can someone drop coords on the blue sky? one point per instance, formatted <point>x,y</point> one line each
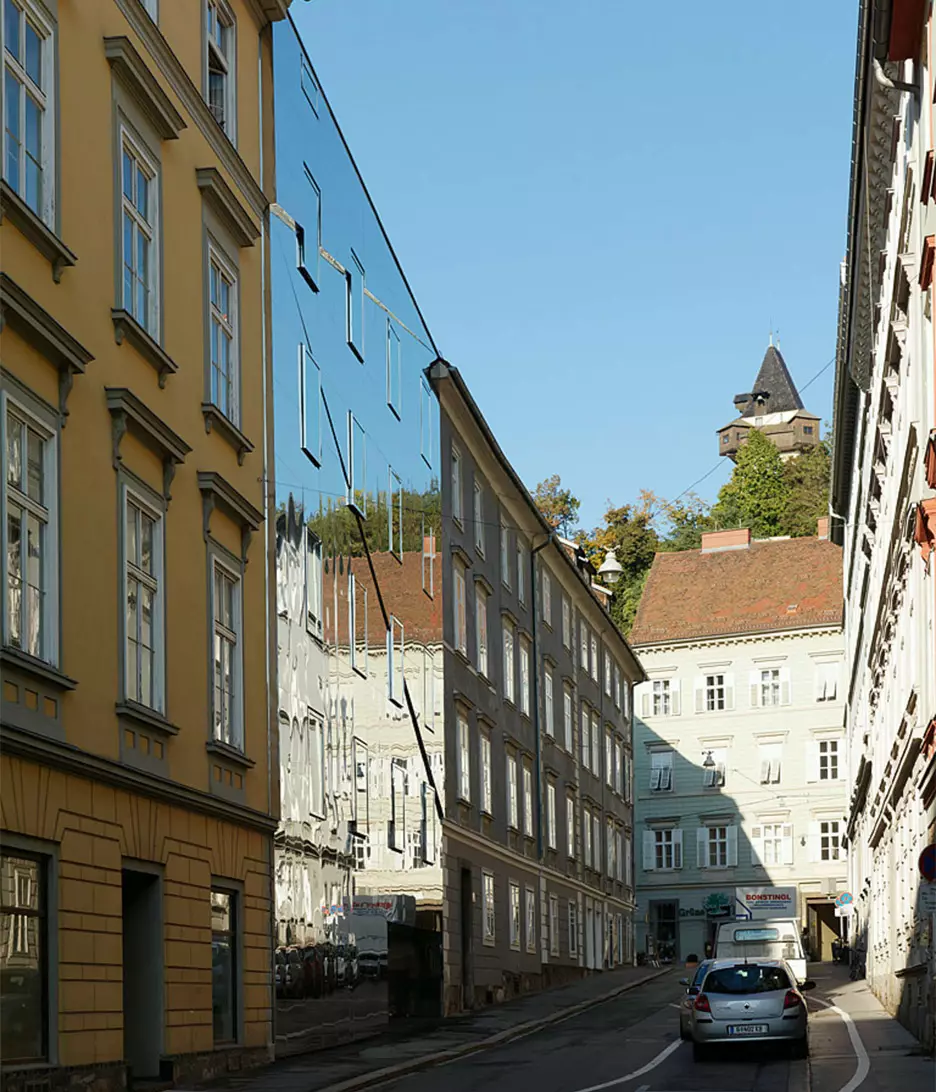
<point>603,206</point>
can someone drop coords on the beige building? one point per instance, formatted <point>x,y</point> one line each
<point>138,756</point>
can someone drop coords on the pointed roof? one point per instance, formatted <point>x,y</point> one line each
<point>775,380</point>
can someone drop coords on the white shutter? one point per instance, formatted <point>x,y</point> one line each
<point>820,682</point>
<point>649,851</point>
<point>757,845</point>
<point>702,848</point>
<point>787,833</point>
<point>729,691</point>
<point>732,846</point>
<point>812,760</point>
<point>700,694</point>
<point>754,679</point>
<point>677,849</point>
<point>645,701</point>
<point>814,844</point>
<point>676,699</point>
<point>765,771</point>
<point>784,686</point>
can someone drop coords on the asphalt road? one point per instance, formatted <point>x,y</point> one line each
<point>632,1044</point>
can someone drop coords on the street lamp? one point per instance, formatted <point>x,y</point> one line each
<point>709,763</point>
<point>611,568</point>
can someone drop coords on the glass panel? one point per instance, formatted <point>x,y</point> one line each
<point>14,451</point>
<point>11,93</point>
<point>218,695</point>
<point>34,586</point>
<point>33,162</point>
<point>133,534</point>
<point>22,959</point>
<point>133,592</point>
<point>14,577</point>
<point>142,193</point>
<point>222,967</point>
<point>12,17</point>
<point>146,543</point>
<point>142,271</point>
<point>127,175</point>
<point>146,646</point>
<point>33,55</point>
<point>34,450</point>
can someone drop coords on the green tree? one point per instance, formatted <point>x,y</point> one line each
<point>757,493</point>
<point>807,478</point>
<point>558,506</point>
<point>686,519</point>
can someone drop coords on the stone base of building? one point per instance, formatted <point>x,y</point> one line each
<point>515,985</point>
<point>189,1069</point>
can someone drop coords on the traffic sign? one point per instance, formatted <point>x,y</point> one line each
<point>845,899</point>
<point>845,911</point>
<point>928,862</point>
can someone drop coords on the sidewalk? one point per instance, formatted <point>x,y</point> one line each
<point>394,1053</point>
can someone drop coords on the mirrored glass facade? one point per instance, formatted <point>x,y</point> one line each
<point>358,597</point>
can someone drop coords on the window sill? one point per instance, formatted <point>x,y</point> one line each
<point>33,228</point>
<point>150,718</point>
<point>225,427</point>
<point>127,328</point>
<point>39,669</point>
<point>489,942</point>
<point>232,754</point>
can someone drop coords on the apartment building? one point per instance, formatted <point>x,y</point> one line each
<point>884,505</point>
<point>138,767</point>
<point>740,756</point>
<point>537,837</point>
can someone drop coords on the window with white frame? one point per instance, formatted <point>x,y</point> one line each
<point>553,925</point>
<point>481,630</point>
<point>464,759</point>
<point>220,75</point>
<point>827,675</point>
<point>513,807</point>
<point>396,660</point>
<point>223,356</point>
<point>714,765</point>
<point>30,533</point>
<point>573,927</point>
<point>227,652</point>
<point>504,551</point>
<point>608,674</point>
<point>609,758</point>
<point>457,512</point>
<point>521,571</point>
<point>619,853</point>
<point>596,744</point>
<point>313,583</point>
<point>662,698</point>
<point>143,586</point>
<point>610,848</point>
<point>618,767</point>
<point>486,792</point>
<point>310,406</point>
<point>828,759</point>
<point>479,517</point>
<point>549,724</point>
<point>552,832</point>
<point>461,621</point>
<point>525,654</point>
<point>489,921</point>
<point>355,295</point>
<point>510,684</point>
<point>714,694</point>
<point>596,836</point>
<point>593,661</point>
<point>586,738</point>
<point>530,919</point>
<point>528,800</point>
<point>770,756</point>
<point>567,713</point>
<point>139,235</point>
<point>566,622</point>
<point>770,687</point>
<point>587,836</point>
<point>28,112</point>
<point>661,771</point>
<point>583,642</point>
<point>662,849</point>
<point>394,370</point>
<point>547,598</point>
<point>718,846</point>
<point>514,889</point>
<point>772,843</point>
<point>617,686</point>
<point>570,825</point>
<point>830,840</point>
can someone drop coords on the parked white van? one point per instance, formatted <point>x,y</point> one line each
<point>772,938</point>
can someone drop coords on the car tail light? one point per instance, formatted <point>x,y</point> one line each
<point>792,1000</point>
<point>701,1004</point>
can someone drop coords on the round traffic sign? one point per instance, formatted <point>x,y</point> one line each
<point>845,899</point>
<point>928,862</point>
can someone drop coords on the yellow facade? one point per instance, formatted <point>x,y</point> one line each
<point>137,747</point>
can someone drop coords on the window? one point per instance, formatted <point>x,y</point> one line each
<point>313,581</point>
<point>426,413</point>
<point>464,759</point>
<point>394,371</point>
<point>714,694</point>
<point>596,835</point>
<point>457,513</point>
<point>807,430</point>
<point>222,312</point>
<point>395,515</point>
<point>619,854</point>
<point>596,744</point>
<point>490,917</point>
<point>481,614</point>
<point>548,710</point>
<point>608,673</point>
<point>662,849</point>
<point>530,919</point>
<point>513,808</point>
<point>583,643</point>
<point>524,676</point>
<point>547,598</point>
<point>830,840</point>
<point>357,466</point>
<point>661,771</point>
<point>527,800</point>
<point>586,738</point>
<point>573,927</point>
<point>618,767</point>
<point>770,687</point>
<point>828,759</point>
<point>479,517</point>
<point>139,243</point>
<point>310,406</point>
<point>355,285</point>
<point>309,86</point>
<point>551,822</point>
<point>772,844</point>
<point>396,652</point>
<point>617,686</point>
<point>713,768</point>
<point>554,925</point>
<point>226,611</point>
<point>826,682</point>
<point>221,80</point>
<point>593,665</point>
<point>716,840</point>
<point>509,669</point>
<point>514,915</point>
<point>28,132</point>
<point>521,572</point>
<point>461,622</point>
<point>143,579</point>
<point>224,969</point>
<point>30,534</point>
<point>770,754</point>
<point>566,622</point>
<point>609,759</point>
<point>587,836</point>
<point>610,848</point>
<point>504,552</point>
<point>567,716</point>
<point>486,794</point>
<point>662,698</point>
<point>24,962</point>
<point>308,265</point>
<point>570,825</point>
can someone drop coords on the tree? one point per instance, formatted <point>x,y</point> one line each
<point>558,506</point>
<point>757,493</point>
<point>808,478</point>
<point>687,518</point>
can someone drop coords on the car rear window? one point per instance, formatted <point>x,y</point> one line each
<point>747,978</point>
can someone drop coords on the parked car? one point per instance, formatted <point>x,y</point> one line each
<point>693,985</point>
<point>755,1001</point>
<point>289,973</point>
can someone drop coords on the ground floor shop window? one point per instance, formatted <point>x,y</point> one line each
<point>224,965</point>
<point>664,923</point>
<point>23,958</point>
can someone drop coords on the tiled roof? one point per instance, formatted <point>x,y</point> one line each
<point>774,379</point>
<point>772,585</point>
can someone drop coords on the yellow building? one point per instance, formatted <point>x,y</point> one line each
<point>138,764</point>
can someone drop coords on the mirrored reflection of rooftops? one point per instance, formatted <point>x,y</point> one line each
<point>773,406</point>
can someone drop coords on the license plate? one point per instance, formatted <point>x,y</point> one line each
<point>747,1029</point>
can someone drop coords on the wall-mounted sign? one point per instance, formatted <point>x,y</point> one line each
<point>928,863</point>
<point>766,902</point>
<point>718,904</point>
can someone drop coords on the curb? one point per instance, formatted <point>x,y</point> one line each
<point>427,1061</point>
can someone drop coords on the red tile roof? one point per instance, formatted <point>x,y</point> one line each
<point>771,585</point>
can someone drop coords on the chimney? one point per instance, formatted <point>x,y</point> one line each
<point>822,527</point>
<point>714,541</point>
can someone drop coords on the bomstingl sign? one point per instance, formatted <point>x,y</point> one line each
<point>766,902</point>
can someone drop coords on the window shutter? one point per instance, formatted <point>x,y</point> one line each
<point>700,695</point>
<point>820,682</point>
<point>676,695</point>
<point>645,703</point>
<point>765,771</point>
<point>814,845</point>
<point>812,760</point>
<point>732,847</point>
<point>757,847</point>
<point>677,849</point>
<point>649,851</point>
<point>701,848</point>
<point>729,691</point>
<point>754,679</point>
<point>784,686</point>
<point>787,833</point>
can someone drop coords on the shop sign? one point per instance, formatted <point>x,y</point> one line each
<point>718,904</point>
<point>766,902</point>
<point>691,912</point>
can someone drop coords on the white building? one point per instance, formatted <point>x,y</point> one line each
<point>884,505</point>
<point>739,753</point>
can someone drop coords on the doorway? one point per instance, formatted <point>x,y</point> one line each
<point>142,972</point>
<point>467,905</point>
<point>664,918</point>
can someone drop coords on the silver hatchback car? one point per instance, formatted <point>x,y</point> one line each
<point>757,1000</point>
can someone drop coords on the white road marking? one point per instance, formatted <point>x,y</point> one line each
<point>864,1063</point>
<point>673,1005</point>
<point>652,1064</point>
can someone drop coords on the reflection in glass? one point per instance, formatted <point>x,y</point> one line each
<point>23,967</point>
<point>223,966</point>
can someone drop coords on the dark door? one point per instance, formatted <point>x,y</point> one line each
<point>467,916</point>
<point>142,972</point>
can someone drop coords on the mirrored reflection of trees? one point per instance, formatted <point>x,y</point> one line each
<point>396,521</point>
